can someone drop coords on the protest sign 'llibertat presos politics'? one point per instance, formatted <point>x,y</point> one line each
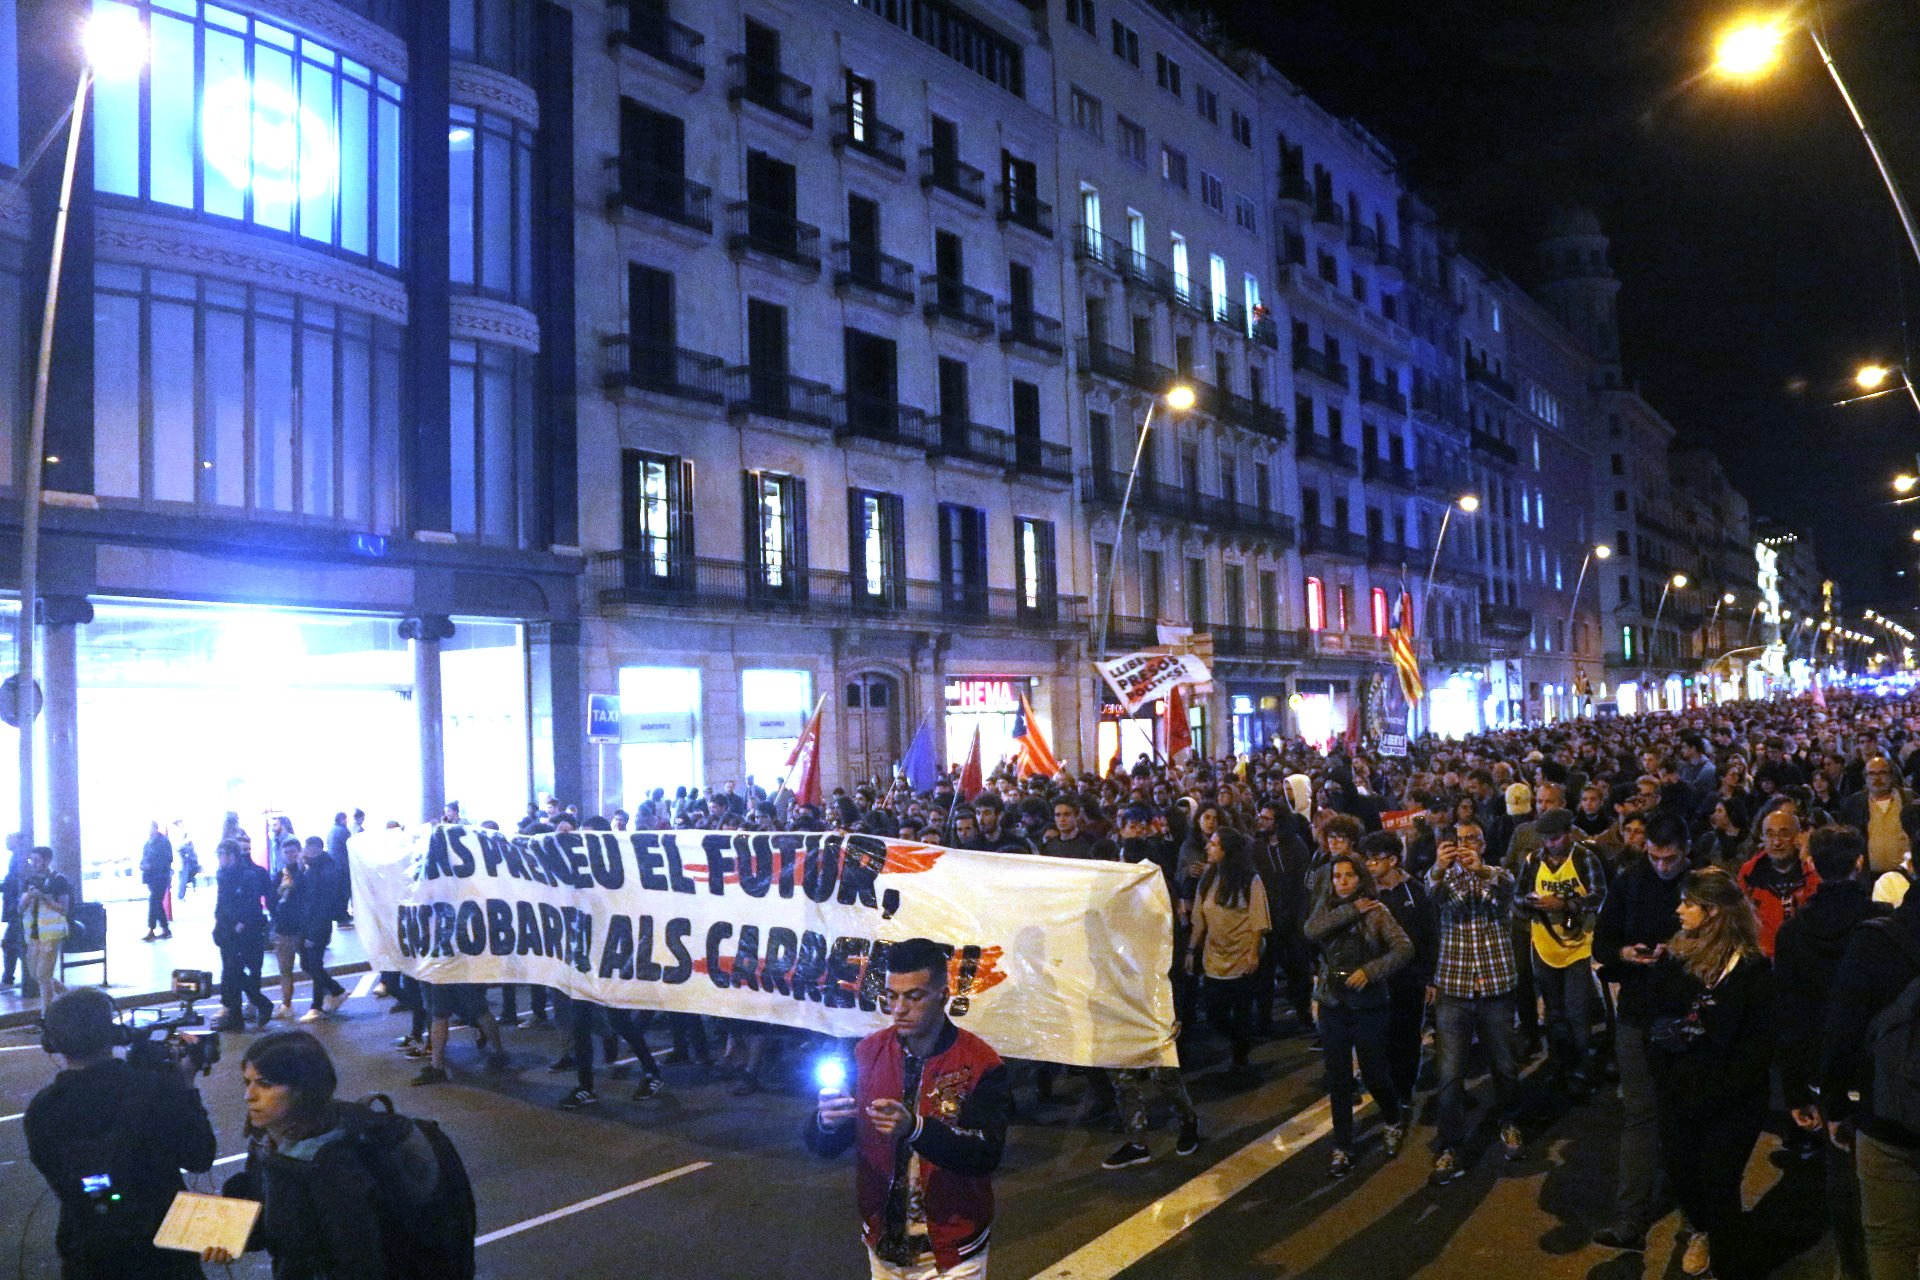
<point>1054,959</point>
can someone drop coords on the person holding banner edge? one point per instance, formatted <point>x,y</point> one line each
<point>923,1170</point>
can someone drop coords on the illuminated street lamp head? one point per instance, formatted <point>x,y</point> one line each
<point>1916,535</point>
<point>1602,551</point>
<point>1468,502</point>
<point>1905,483</point>
<point>1679,580</point>
<point>1180,397</point>
<point>1727,598</point>
<point>1871,377</point>
<point>1749,49</point>
<point>115,42</point>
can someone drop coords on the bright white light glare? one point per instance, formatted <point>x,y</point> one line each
<point>830,1074</point>
<point>1180,398</point>
<point>260,136</point>
<point>1679,579</point>
<point>1727,598</point>
<point>1602,551</point>
<point>115,42</point>
<point>459,137</point>
<point>1872,376</point>
<point>1468,502</point>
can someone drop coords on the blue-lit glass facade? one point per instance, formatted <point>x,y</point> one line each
<point>239,118</point>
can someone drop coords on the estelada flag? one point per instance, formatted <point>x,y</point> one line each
<point>1036,757</point>
<point>972,780</point>
<point>1179,732</point>
<point>806,754</point>
<point>1406,662</point>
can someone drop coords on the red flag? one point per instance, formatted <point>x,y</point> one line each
<point>1036,757</point>
<point>1116,764</point>
<point>1179,732</point>
<point>806,753</point>
<point>972,781</point>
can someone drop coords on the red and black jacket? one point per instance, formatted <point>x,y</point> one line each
<point>965,1102</point>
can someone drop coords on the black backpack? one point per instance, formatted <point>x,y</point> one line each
<point>1893,1042</point>
<point>425,1200</point>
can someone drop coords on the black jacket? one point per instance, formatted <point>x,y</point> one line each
<point>1806,955</point>
<point>140,1128</point>
<point>240,905</point>
<point>1871,975</point>
<point>1413,910</point>
<point>1727,1068</point>
<point>1638,910</point>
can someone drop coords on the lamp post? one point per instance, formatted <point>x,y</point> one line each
<point>115,45</point>
<point>1179,398</point>
<point>1751,50</point>
<point>1598,551</point>
<point>1468,504</point>
<point>1677,580</point>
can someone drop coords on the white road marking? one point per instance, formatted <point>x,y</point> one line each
<point>229,1159</point>
<point>1108,1255</point>
<point>594,1203</point>
<point>17,1048</point>
<point>365,985</point>
<point>4,1119</point>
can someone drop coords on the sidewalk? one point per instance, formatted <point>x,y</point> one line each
<point>142,972</point>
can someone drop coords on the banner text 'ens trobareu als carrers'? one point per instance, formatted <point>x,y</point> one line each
<point>1054,959</point>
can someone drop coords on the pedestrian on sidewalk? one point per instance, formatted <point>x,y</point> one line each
<point>321,906</point>
<point>243,894</point>
<point>156,872</point>
<point>289,917</point>
<point>13,940</point>
<point>1230,928</point>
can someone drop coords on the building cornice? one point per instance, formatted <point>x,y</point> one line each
<point>472,85</point>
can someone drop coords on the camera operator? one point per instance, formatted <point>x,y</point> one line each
<point>111,1139</point>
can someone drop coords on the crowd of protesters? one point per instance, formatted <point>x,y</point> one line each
<point>1702,913</point>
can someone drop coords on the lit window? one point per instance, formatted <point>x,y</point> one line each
<point>1316,605</point>
<point>1378,599</point>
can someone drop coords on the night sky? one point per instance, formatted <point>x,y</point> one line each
<point>1760,257</point>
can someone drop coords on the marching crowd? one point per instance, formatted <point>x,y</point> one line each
<point>1705,913</point>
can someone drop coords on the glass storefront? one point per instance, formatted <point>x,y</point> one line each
<point>190,712</point>
<point>776,705</point>
<point>988,703</point>
<point>659,731</point>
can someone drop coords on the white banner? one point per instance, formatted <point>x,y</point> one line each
<point>1139,678</point>
<point>1054,959</point>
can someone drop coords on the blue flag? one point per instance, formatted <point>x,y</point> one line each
<point>920,765</point>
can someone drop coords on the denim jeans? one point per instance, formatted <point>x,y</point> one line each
<point>1347,1033</point>
<point>1456,1020</point>
<point>1568,994</point>
<point>1642,1180</point>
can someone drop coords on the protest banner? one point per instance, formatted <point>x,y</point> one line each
<point>1139,678</point>
<point>1054,959</point>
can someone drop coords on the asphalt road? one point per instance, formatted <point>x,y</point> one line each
<point>697,1183</point>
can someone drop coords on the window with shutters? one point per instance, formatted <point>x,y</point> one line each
<point>1038,583</point>
<point>658,528</point>
<point>963,560</point>
<point>1316,604</point>
<point>878,554</point>
<point>775,535</point>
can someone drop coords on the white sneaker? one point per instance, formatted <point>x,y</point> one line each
<point>312,1015</point>
<point>334,1001</point>
<point>283,1011</point>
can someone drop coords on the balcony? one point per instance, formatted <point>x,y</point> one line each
<point>944,298</point>
<point>772,233</point>
<point>1329,216</point>
<point>1242,412</point>
<point>1486,377</point>
<point>864,268</point>
<point>1295,190</point>
<point>1505,621</point>
<point>767,393</point>
<point>1493,447</point>
<point>1321,365</point>
<point>1461,653</point>
<point>952,175</point>
<point>1325,539</point>
<point>1444,478</point>
<point>1311,444</point>
<point>1384,394</point>
<point>1132,266</point>
<point>1229,312</point>
<point>662,39</point>
<point>660,192</point>
<point>664,370</point>
<point>1108,489</point>
<point>1191,296</point>
<point>859,130</point>
<point>1023,327</point>
<point>1385,551</point>
<point>1257,643</point>
<point>1435,405</point>
<point>1387,471</point>
<point>1042,459</point>
<point>770,88</point>
<point>1363,240</point>
<point>1120,365</point>
<point>874,418</point>
<point>1025,209</point>
<point>633,579</point>
<point>971,442</point>
<point>1389,262</point>
<point>1265,331</point>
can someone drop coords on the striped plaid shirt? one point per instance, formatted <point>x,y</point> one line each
<point>1476,936</point>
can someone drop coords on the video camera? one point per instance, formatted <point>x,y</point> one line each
<point>164,1043</point>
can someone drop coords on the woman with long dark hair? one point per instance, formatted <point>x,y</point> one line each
<point>1361,945</point>
<point>1230,928</point>
<point>1710,1046</point>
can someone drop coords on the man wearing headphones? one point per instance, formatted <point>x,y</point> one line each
<point>111,1140</point>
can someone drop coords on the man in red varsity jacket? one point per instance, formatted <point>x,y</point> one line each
<point>923,1166</point>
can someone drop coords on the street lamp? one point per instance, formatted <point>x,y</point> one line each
<point>1873,380</point>
<point>1905,483</point>
<point>1468,504</point>
<point>1749,50</point>
<point>1179,398</point>
<point>115,45</point>
<point>1598,551</point>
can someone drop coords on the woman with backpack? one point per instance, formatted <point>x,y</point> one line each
<point>347,1191</point>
